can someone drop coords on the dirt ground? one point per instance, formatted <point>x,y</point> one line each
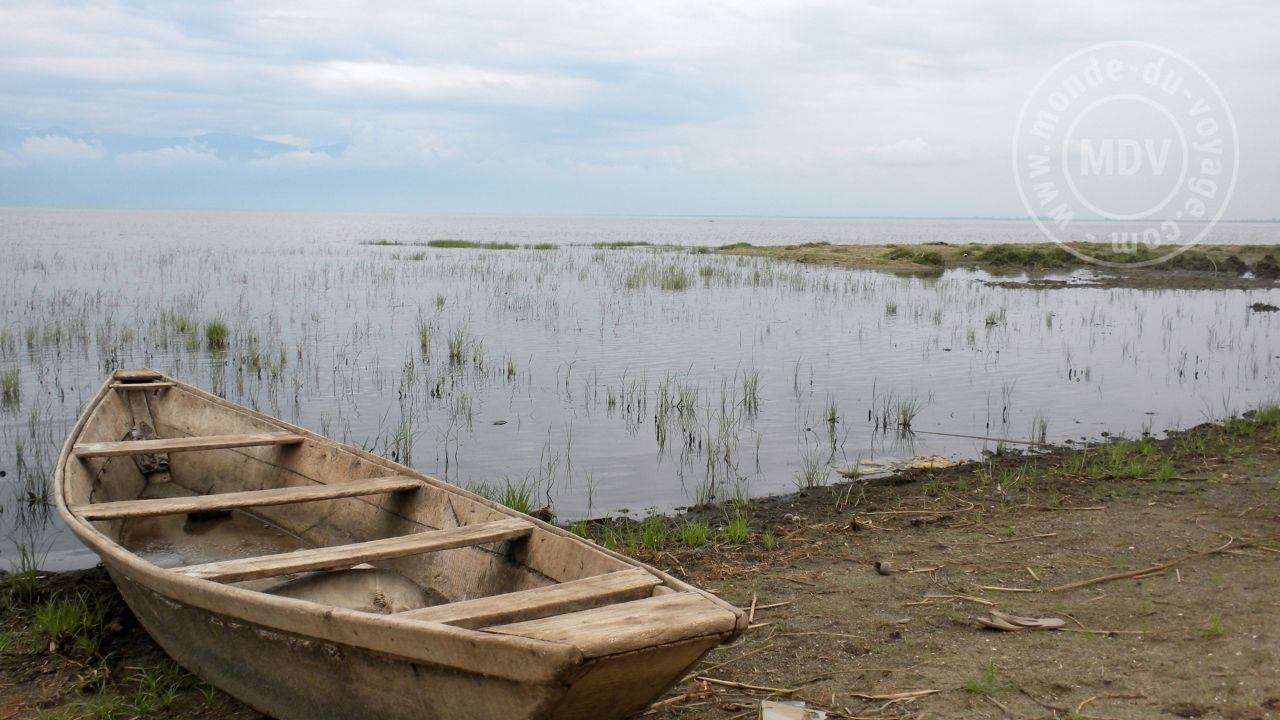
<point>1197,639</point>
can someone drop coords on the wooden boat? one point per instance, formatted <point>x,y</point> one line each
<point>313,580</point>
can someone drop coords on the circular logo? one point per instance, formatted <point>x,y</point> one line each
<point>1131,134</point>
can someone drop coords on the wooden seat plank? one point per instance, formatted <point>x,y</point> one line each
<point>136,375</point>
<point>628,626</point>
<point>340,556</point>
<point>249,498</point>
<point>184,444</point>
<point>565,597</point>
<point>142,385</point>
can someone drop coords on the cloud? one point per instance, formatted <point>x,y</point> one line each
<point>757,93</point>
<point>911,151</point>
<point>170,157</point>
<point>60,148</point>
<point>307,159</point>
<point>440,82</point>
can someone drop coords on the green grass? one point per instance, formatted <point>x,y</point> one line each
<point>1213,629</point>
<point>1266,418</point>
<point>471,244</point>
<point>1031,257</point>
<point>517,496</point>
<point>770,539</point>
<point>216,334</point>
<point>987,683</point>
<point>158,687</point>
<point>736,528</point>
<point>78,621</point>
<point>620,244</point>
<point>543,246</point>
<point>102,707</point>
<point>736,246</point>
<point>653,532</point>
<point>1123,459</point>
<point>694,532</point>
<point>933,258</point>
<point>22,584</point>
<point>1267,268</point>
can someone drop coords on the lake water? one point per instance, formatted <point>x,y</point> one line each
<point>604,380</point>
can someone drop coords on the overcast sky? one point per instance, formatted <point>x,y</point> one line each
<point>735,108</point>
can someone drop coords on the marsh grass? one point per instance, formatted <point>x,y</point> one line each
<point>216,335</point>
<point>471,244</point>
<point>519,496</point>
<point>751,392</point>
<point>10,388</point>
<point>674,278</point>
<point>426,329</point>
<point>919,256</point>
<point>620,244</point>
<point>457,346</point>
<point>813,471</point>
<point>906,410</point>
<point>22,584</point>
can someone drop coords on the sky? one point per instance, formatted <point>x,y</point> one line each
<point>756,107</point>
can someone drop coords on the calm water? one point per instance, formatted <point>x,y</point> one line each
<point>605,380</point>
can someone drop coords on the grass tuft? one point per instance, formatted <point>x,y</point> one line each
<point>987,683</point>
<point>10,388</point>
<point>517,496</point>
<point>78,621</point>
<point>216,335</point>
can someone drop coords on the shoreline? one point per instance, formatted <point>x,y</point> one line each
<point>867,589</point>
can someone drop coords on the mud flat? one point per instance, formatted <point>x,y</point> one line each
<point>1160,556</point>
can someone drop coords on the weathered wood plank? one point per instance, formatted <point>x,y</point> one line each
<point>133,375</point>
<point>629,626</point>
<point>142,385</point>
<point>540,602</point>
<point>339,556</point>
<point>250,498</point>
<point>186,444</point>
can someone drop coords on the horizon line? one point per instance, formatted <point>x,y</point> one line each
<point>686,216</point>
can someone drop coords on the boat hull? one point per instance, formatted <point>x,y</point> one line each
<point>294,677</point>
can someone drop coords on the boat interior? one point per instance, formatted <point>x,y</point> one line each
<point>202,487</point>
